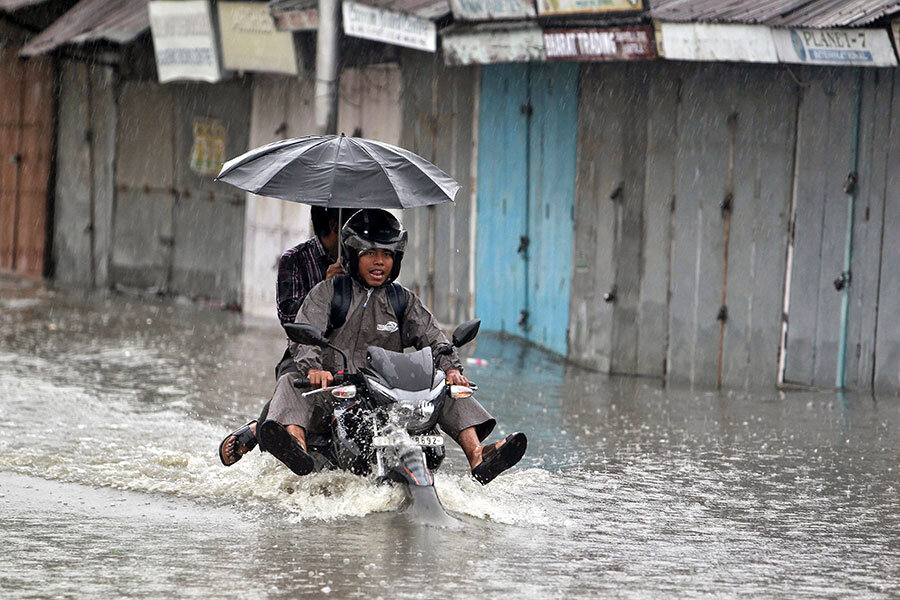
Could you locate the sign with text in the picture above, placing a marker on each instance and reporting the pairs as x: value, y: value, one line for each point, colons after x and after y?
x: 487, y: 10
x: 184, y: 41
x: 519, y: 43
x: 619, y: 43
x: 854, y: 47
x: 306, y: 19
x: 715, y: 42
x: 250, y: 41
x: 388, y: 26
x: 568, y: 7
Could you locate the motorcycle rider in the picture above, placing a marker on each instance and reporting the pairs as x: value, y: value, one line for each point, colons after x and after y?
x: 373, y: 243
x: 299, y: 270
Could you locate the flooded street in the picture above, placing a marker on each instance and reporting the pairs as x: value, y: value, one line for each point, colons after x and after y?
x: 110, y: 485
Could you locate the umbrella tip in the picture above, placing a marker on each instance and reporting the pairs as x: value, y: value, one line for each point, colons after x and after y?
x: 342, y: 134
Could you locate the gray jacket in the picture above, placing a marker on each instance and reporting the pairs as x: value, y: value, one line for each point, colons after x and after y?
x: 370, y: 322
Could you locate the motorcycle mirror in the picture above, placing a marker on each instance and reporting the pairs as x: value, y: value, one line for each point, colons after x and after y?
x: 305, y: 334
x: 466, y: 332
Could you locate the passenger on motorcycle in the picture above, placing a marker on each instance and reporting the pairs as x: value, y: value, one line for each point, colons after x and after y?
x: 373, y: 243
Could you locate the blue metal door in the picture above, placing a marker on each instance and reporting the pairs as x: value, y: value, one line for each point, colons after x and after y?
x: 526, y: 191
x: 502, y: 191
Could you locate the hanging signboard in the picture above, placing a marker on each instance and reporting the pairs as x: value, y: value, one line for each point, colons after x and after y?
x: 619, y: 43
x: 568, y: 7
x: 487, y: 10
x: 388, y: 26
x: 859, y: 47
x: 715, y: 42
x: 485, y: 46
x: 295, y: 15
x: 250, y: 41
x: 184, y: 40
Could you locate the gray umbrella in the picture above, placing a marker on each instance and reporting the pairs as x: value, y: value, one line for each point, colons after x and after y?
x: 337, y: 171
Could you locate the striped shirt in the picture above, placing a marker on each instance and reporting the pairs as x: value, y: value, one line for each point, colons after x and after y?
x: 299, y: 270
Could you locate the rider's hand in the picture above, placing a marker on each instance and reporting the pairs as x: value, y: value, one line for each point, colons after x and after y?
x: 454, y: 377
x: 335, y: 270
x: 320, y: 378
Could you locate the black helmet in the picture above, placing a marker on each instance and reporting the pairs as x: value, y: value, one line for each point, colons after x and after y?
x: 373, y: 228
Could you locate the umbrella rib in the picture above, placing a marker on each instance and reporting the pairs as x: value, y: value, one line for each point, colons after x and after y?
x: 334, y: 168
x: 380, y: 166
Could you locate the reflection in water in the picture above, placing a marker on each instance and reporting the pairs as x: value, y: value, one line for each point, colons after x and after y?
x: 110, y: 484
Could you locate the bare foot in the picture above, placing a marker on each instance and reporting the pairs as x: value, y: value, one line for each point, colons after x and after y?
x: 230, y: 454
x: 299, y: 434
x: 478, y: 452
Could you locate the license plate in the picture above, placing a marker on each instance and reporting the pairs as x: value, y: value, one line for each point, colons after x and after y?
x: 382, y: 441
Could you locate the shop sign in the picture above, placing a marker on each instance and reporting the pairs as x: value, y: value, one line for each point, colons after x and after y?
x: 208, y: 150
x: 716, y: 42
x: 250, y: 41
x: 297, y: 19
x: 620, y: 43
x: 388, y: 26
x: 486, y: 10
x: 517, y: 44
x: 568, y: 7
x: 184, y: 41
x: 861, y: 47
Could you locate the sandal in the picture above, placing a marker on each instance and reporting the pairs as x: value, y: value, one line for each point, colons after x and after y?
x: 285, y: 447
x: 243, y: 438
x: 495, y: 460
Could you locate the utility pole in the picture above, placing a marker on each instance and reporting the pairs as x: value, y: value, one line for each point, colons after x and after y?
x: 327, y: 49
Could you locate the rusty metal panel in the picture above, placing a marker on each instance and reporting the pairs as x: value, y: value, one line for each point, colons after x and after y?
x: 820, y: 225
x: 887, y: 332
x: 10, y: 132
x: 868, y: 226
x: 783, y: 13
x: 763, y: 169
x: 26, y: 102
x: 73, y: 228
x: 653, y: 311
x: 117, y: 21
x: 145, y: 162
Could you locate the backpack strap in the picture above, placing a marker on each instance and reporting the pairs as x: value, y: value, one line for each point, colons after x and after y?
x: 399, y: 301
x: 343, y: 294
x: 340, y: 302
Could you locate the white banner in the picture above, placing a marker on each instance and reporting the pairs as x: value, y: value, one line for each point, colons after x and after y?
x: 852, y: 47
x: 390, y: 27
x: 524, y: 43
x: 184, y: 40
x: 486, y: 10
x: 714, y: 42
x: 250, y: 41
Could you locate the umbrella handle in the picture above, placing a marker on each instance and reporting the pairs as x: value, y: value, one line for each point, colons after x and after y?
x: 340, y: 214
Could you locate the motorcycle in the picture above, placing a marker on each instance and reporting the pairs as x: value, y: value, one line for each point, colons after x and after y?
x: 384, y: 418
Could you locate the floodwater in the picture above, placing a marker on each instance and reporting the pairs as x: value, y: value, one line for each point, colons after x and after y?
x: 112, y: 409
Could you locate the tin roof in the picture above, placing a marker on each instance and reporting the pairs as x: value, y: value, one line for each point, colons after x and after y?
x: 427, y: 9
x: 11, y: 5
x: 117, y: 21
x: 779, y: 13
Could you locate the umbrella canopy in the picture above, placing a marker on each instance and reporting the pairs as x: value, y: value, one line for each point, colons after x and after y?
x: 337, y: 171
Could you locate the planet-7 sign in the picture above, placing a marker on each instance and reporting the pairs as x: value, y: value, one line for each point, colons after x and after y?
x: 852, y: 47
x: 567, y: 7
